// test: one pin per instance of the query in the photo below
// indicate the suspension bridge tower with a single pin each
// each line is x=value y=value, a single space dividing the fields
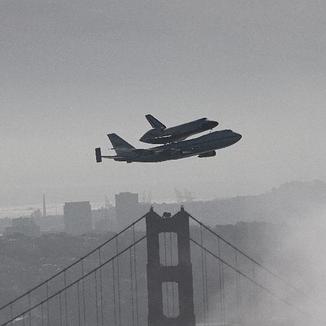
x=159 y=274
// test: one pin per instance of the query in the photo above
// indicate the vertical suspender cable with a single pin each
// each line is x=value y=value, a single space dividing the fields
x=83 y=291
x=206 y=284
x=114 y=295
x=131 y=287
x=237 y=287
x=42 y=315
x=203 y=275
x=101 y=286
x=96 y=299
x=135 y=271
x=30 y=312
x=66 y=297
x=11 y=313
x=219 y=300
x=221 y=281
x=47 y=305
x=254 y=292
x=78 y=303
x=60 y=309
x=225 y=311
x=118 y=277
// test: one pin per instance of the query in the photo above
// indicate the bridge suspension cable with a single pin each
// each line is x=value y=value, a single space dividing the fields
x=253 y=281
x=79 y=260
x=266 y=269
x=83 y=277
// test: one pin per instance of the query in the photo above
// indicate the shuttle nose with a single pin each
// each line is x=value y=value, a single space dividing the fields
x=144 y=138
x=212 y=124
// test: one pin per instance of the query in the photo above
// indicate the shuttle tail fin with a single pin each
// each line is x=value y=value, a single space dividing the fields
x=156 y=124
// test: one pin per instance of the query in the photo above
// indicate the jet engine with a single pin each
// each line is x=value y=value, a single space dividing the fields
x=207 y=154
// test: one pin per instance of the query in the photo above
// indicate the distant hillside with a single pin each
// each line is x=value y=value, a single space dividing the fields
x=291 y=202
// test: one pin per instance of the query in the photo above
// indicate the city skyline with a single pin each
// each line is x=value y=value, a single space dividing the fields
x=178 y=196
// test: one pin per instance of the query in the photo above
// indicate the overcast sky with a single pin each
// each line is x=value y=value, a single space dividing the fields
x=72 y=71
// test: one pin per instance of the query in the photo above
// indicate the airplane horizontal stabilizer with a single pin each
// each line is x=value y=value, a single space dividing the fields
x=98 y=155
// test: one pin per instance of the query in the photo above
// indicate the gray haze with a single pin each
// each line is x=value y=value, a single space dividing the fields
x=71 y=71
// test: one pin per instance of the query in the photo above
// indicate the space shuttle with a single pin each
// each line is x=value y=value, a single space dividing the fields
x=160 y=134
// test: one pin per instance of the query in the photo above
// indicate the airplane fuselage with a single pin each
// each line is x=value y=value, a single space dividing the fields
x=202 y=145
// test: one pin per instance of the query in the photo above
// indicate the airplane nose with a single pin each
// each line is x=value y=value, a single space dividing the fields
x=238 y=136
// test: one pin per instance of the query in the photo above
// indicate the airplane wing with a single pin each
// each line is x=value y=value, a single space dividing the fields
x=171 y=150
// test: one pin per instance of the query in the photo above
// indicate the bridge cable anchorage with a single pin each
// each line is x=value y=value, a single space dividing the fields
x=267 y=290
x=287 y=283
x=73 y=264
x=70 y=285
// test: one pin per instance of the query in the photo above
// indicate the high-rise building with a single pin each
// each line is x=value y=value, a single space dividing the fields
x=77 y=217
x=127 y=208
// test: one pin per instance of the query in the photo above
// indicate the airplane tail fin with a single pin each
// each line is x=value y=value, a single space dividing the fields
x=119 y=145
x=154 y=122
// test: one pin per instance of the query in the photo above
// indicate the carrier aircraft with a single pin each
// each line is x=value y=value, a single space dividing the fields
x=160 y=134
x=203 y=146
